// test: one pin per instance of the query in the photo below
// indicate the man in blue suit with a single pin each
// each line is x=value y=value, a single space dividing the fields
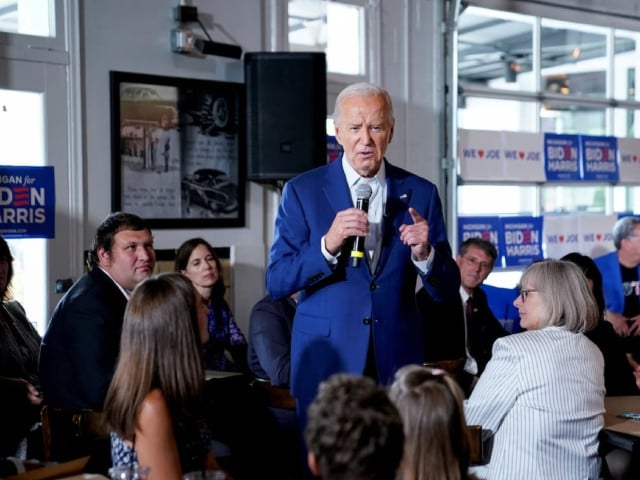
x=358 y=319
x=620 y=278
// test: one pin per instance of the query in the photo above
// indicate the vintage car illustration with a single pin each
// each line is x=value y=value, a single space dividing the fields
x=211 y=189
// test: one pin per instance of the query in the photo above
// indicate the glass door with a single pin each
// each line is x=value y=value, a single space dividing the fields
x=34 y=132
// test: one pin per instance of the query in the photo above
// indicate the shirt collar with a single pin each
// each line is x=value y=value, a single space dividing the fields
x=353 y=177
x=124 y=291
x=463 y=293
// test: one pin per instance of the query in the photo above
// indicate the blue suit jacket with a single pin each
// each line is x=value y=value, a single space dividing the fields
x=339 y=305
x=609 y=267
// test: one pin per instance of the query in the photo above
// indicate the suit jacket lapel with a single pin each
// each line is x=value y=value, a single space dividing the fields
x=336 y=189
x=395 y=211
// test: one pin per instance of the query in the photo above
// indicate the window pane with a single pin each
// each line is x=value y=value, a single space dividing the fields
x=626 y=122
x=573 y=59
x=566 y=199
x=331 y=27
x=625 y=65
x=565 y=118
x=490 y=200
x=509 y=115
x=28 y=17
x=345 y=45
x=626 y=199
x=495 y=49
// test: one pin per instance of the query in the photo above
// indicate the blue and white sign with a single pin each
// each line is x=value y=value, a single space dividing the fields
x=599 y=158
x=522 y=240
x=27 y=202
x=486 y=228
x=562 y=157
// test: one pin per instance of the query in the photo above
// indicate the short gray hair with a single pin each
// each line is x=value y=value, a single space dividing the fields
x=567 y=298
x=624 y=228
x=362 y=89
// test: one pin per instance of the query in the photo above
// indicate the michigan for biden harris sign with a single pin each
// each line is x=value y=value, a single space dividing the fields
x=27 y=202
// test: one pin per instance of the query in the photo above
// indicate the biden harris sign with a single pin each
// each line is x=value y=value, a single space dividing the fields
x=27 y=202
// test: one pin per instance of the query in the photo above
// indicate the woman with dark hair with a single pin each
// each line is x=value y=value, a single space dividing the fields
x=237 y=416
x=19 y=347
x=618 y=374
x=436 y=444
x=197 y=260
x=154 y=406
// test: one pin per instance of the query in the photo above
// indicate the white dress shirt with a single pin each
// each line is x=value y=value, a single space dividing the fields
x=377 y=204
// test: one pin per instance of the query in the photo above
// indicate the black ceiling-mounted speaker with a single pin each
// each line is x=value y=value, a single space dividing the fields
x=286 y=114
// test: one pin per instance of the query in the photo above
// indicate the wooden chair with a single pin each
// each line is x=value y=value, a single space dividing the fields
x=46 y=433
x=276 y=397
x=453 y=367
x=476 y=448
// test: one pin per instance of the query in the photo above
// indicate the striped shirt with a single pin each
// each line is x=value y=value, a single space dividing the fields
x=542 y=398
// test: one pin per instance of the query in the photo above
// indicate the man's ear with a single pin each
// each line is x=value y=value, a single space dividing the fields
x=313 y=464
x=104 y=257
x=337 y=132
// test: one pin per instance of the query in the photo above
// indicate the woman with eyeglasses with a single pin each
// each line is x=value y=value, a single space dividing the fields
x=541 y=396
x=436 y=440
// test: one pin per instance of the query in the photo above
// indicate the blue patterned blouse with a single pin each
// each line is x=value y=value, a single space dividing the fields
x=224 y=333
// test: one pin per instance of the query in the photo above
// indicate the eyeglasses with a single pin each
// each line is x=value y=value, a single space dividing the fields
x=475 y=263
x=524 y=293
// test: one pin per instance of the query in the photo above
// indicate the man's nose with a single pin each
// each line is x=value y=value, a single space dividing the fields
x=365 y=136
x=144 y=253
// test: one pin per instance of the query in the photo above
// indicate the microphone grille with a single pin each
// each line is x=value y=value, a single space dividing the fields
x=363 y=191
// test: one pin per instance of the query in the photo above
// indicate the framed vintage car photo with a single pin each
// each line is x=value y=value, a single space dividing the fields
x=177 y=150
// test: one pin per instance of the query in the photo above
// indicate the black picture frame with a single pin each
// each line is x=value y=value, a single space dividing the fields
x=177 y=148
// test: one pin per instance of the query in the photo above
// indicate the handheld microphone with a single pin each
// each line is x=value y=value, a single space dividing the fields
x=363 y=193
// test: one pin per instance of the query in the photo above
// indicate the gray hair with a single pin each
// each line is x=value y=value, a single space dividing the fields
x=624 y=228
x=567 y=298
x=362 y=89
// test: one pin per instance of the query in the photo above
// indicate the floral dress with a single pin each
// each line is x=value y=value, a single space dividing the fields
x=192 y=448
x=224 y=334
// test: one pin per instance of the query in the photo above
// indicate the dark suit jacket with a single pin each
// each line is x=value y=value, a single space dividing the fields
x=339 y=305
x=81 y=345
x=270 y=326
x=444 y=329
x=484 y=329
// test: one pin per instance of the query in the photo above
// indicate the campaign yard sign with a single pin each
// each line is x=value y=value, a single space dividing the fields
x=562 y=157
x=486 y=228
x=27 y=202
x=596 y=234
x=523 y=158
x=599 y=158
x=480 y=155
x=522 y=240
x=629 y=167
x=561 y=235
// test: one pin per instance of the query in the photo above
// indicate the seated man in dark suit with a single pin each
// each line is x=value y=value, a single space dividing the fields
x=269 y=358
x=80 y=348
x=464 y=328
x=270 y=327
